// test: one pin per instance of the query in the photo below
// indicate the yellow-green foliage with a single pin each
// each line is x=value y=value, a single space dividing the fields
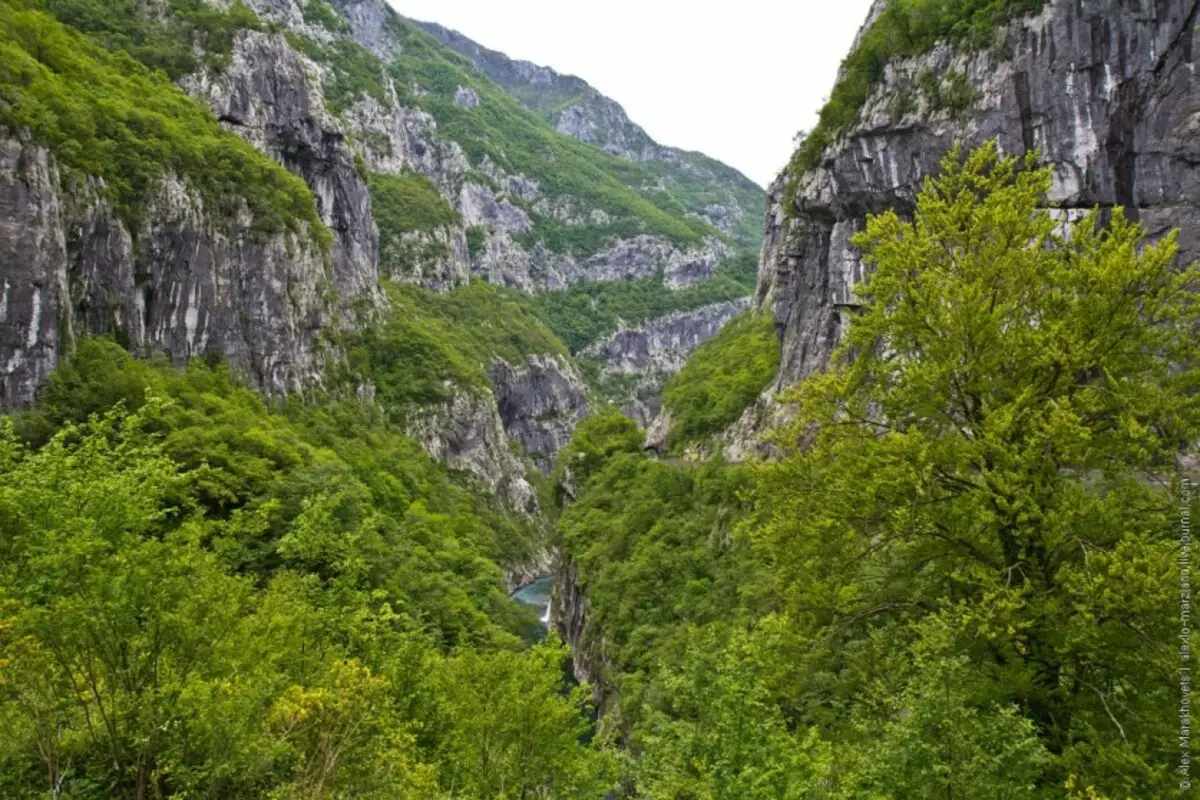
x=409 y=202
x=981 y=525
x=177 y=36
x=107 y=115
x=256 y=602
x=722 y=378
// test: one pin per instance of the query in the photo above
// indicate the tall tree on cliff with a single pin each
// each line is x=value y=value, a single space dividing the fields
x=993 y=466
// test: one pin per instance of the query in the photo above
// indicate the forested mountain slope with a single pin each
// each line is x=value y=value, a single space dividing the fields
x=724 y=197
x=315 y=339
x=235 y=181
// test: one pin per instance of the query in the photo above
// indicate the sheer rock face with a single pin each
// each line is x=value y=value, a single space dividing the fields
x=267 y=97
x=33 y=252
x=540 y=404
x=188 y=285
x=466 y=433
x=1104 y=90
x=192 y=282
x=505 y=262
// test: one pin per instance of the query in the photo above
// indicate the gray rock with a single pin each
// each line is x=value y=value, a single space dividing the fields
x=479 y=205
x=505 y=262
x=436 y=259
x=392 y=139
x=33 y=287
x=654 y=352
x=663 y=345
x=467 y=434
x=1104 y=90
x=192 y=283
x=540 y=404
x=466 y=97
x=267 y=97
x=190 y=286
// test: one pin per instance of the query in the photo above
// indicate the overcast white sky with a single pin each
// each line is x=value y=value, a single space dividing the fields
x=735 y=80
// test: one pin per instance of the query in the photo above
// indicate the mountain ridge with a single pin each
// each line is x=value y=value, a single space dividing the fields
x=581 y=111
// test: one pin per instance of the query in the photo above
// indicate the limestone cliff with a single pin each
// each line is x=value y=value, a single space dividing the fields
x=188 y=284
x=1104 y=91
x=540 y=403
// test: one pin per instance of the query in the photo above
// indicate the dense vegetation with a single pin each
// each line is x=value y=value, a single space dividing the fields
x=965 y=582
x=109 y=116
x=432 y=345
x=650 y=540
x=404 y=205
x=200 y=596
x=588 y=312
x=191 y=34
x=905 y=28
x=722 y=379
x=957 y=578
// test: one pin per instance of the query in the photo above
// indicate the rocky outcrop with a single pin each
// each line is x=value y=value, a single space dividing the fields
x=267 y=97
x=436 y=259
x=33 y=287
x=504 y=262
x=663 y=344
x=569 y=617
x=653 y=352
x=467 y=434
x=187 y=285
x=540 y=403
x=1104 y=90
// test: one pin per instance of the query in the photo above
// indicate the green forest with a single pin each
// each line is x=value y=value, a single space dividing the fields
x=959 y=585
x=963 y=583
x=950 y=568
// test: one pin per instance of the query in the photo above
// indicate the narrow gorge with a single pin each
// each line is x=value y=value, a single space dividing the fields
x=385 y=416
